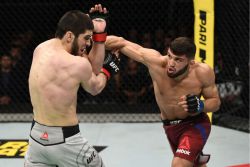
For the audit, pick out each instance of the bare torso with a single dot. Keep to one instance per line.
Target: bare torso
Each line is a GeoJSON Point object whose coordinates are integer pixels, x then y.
{"type": "Point", "coordinates": [168, 91]}
{"type": "Point", "coordinates": [53, 85]}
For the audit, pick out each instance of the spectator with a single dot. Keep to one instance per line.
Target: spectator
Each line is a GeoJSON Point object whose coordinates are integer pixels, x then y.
{"type": "Point", "coordinates": [15, 52]}
{"type": "Point", "coordinates": [19, 77]}
{"type": "Point", "coordinates": [159, 37]}
{"type": "Point", "coordinates": [167, 42]}
{"type": "Point", "coordinates": [133, 83]}
{"type": "Point", "coordinates": [6, 67]}
{"type": "Point", "coordinates": [133, 35]}
{"type": "Point", "coordinates": [147, 40]}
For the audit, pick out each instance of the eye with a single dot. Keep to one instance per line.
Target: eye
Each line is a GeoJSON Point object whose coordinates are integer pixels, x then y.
{"type": "Point", "coordinates": [179, 60]}
{"type": "Point", "coordinates": [87, 37]}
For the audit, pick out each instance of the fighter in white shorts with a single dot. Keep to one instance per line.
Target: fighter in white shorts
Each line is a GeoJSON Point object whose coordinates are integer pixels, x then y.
{"type": "Point", "coordinates": [59, 67]}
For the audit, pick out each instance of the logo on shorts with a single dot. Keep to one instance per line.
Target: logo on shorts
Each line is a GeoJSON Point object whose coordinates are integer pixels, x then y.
{"type": "Point", "coordinates": [175, 122]}
{"type": "Point", "coordinates": [185, 143]}
{"type": "Point", "coordinates": [184, 146]}
{"type": "Point", "coordinates": [182, 151]}
{"type": "Point", "coordinates": [92, 156]}
{"type": "Point", "coordinates": [44, 136]}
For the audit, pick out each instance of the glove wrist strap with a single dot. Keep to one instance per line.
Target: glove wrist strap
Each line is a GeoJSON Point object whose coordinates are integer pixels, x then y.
{"type": "Point", "coordinates": [105, 72]}
{"type": "Point", "coordinates": [201, 106]}
{"type": "Point", "coordinates": [99, 37]}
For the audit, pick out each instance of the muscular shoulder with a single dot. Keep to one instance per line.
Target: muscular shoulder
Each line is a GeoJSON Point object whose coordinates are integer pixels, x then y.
{"type": "Point", "coordinates": [204, 73]}
{"type": "Point", "coordinates": [82, 68]}
{"type": "Point", "coordinates": [153, 58]}
{"type": "Point", "coordinates": [44, 47]}
{"type": "Point", "coordinates": [39, 48]}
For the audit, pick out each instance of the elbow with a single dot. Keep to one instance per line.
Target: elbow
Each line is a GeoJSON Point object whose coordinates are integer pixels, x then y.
{"type": "Point", "coordinates": [218, 104]}
{"type": "Point", "coordinates": [94, 93]}
{"type": "Point", "coordinates": [121, 42]}
{"type": "Point", "coordinates": [96, 90]}
{"type": "Point", "coordinates": [114, 43]}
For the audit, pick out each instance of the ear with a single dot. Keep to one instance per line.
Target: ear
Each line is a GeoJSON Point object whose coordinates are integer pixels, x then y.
{"type": "Point", "coordinates": [69, 36]}
{"type": "Point", "coordinates": [192, 62]}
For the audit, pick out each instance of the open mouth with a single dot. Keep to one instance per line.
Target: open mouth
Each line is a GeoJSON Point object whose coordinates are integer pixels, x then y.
{"type": "Point", "coordinates": [171, 70]}
{"type": "Point", "coordinates": [83, 51]}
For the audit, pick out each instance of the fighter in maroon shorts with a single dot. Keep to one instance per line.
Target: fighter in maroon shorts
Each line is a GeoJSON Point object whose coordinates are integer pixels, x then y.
{"type": "Point", "coordinates": [178, 83]}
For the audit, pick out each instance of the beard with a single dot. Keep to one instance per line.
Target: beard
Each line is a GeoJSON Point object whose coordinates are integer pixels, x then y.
{"type": "Point", "coordinates": [75, 48]}
{"type": "Point", "coordinates": [180, 72]}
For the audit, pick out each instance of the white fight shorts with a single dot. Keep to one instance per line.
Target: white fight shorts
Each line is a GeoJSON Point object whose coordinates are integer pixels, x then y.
{"type": "Point", "coordinates": [53, 146]}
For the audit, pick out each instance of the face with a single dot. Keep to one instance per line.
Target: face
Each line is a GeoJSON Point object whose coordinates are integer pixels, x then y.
{"type": "Point", "coordinates": [81, 42]}
{"type": "Point", "coordinates": [177, 65]}
{"type": "Point", "coordinates": [6, 62]}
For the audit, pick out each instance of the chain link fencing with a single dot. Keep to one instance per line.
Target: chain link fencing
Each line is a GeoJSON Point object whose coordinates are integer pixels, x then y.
{"type": "Point", "coordinates": [152, 24]}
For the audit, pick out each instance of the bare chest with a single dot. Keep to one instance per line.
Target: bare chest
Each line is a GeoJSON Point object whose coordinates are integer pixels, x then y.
{"type": "Point", "coordinates": [168, 92]}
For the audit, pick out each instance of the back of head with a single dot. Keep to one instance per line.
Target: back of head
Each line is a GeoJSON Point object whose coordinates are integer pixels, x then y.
{"type": "Point", "coordinates": [183, 46]}
{"type": "Point", "coordinates": [75, 21]}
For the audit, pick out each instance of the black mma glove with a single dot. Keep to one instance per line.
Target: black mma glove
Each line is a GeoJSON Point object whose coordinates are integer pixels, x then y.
{"type": "Point", "coordinates": [110, 65]}
{"type": "Point", "coordinates": [195, 105]}
{"type": "Point", "coordinates": [100, 36]}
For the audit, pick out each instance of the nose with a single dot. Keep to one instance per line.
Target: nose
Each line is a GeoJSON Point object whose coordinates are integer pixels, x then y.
{"type": "Point", "coordinates": [172, 63]}
{"type": "Point", "coordinates": [88, 42]}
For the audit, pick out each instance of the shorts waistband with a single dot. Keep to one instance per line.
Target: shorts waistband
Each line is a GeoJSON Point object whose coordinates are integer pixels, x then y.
{"type": "Point", "coordinates": [178, 121]}
{"type": "Point", "coordinates": [68, 131]}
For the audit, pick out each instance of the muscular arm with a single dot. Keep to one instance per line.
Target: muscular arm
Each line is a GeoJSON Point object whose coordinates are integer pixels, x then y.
{"type": "Point", "coordinates": [95, 84]}
{"type": "Point", "coordinates": [97, 53]}
{"type": "Point", "coordinates": [209, 90]}
{"type": "Point", "coordinates": [90, 82]}
{"type": "Point", "coordinates": [96, 56]}
{"type": "Point", "coordinates": [134, 51]}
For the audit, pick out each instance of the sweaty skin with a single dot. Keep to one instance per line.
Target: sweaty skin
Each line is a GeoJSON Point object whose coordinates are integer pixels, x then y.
{"type": "Point", "coordinates": [170, 92]}
{"type": "Point", "coordinates": [55, 77]}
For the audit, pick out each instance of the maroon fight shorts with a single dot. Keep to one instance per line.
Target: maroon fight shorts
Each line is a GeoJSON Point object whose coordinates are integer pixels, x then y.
{"type": "Point", "coordinates": [188, 136]}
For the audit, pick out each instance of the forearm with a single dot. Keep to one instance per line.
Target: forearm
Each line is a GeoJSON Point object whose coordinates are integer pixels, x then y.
{"type": "Point", "coordinates": [211, 105]}
{"type": "Point", "coordinates": [126, 47]}
{"type": "Point", "coordinates": [102, 81]}
{"type": "Point", "coordinates": [96, 57]}
{"type": "Point", "coordinates": [114, 42]}
{"type": "Point", "coordinates": [96, 84]}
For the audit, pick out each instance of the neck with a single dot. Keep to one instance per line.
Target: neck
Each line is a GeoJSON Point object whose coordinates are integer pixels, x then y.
{"type": "Point", "coordinates": [182, 76]}
{"type": "Point", "coordinates": [64, 44]}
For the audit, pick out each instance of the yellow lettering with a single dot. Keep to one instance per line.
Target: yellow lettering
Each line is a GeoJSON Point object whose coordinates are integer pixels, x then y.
{"type": "Point", "coordinates": [203, 22]}
{"type": "Point", "coordinates": [202, 38]}
{"type": "Point", "coordinates": [25, 148]}
{"type": "Point", "coordinates": [15, 145]}
{"type": "Point", "coordinates": [202, 28]}
{"type": "Point", "coordinates": [22, 154]}
{"type": "Point", "coordinates": [23, 151]}
{"type": "Point", "coordinates": [8, 152]}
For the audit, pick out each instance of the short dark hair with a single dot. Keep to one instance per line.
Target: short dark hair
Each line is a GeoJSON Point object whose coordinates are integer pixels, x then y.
{"type": "Point", "coordinates": [74, 21]}
{"type": "Point", "coordinates": [183, 45]}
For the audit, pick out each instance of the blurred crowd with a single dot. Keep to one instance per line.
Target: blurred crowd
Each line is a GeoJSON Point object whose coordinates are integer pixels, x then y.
{"type": "Point", "coordinates": [15, 62]}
